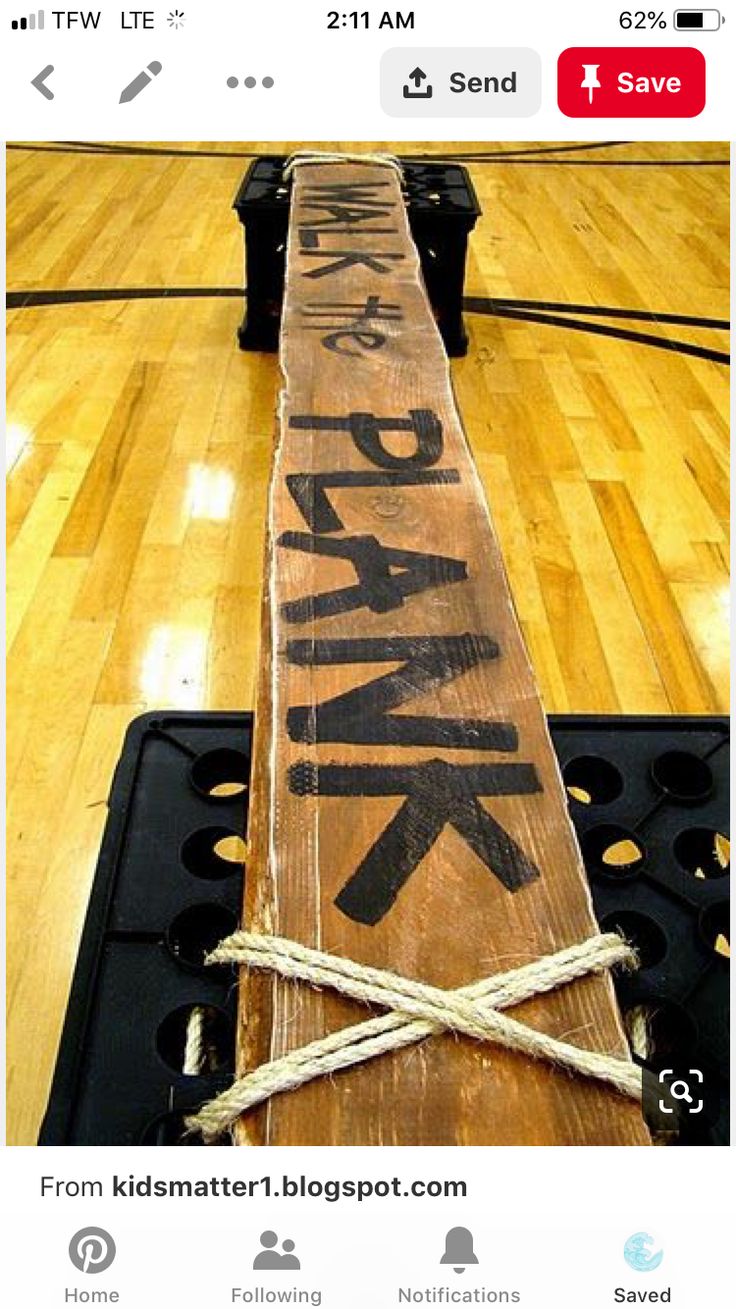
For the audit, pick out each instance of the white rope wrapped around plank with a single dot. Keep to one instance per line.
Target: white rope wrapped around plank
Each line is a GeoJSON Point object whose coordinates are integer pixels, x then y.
{"type": "Point", "coordinates": [416, 1011]}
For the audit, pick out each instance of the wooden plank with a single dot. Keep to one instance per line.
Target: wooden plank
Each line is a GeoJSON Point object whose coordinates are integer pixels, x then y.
{"type": "Point", "coordinates": [407, 808]}
{"type": "Point", "coordinates": [58, 353]}
{"type": "Point", "coordinates": [433, 840]}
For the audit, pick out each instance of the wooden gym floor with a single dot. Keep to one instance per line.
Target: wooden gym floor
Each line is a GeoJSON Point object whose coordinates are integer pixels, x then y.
{"type": "Point", "coordinates": [139, 446]}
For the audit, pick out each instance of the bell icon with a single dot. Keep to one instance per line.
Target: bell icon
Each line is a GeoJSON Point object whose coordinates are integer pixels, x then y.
{"type": "Point", "coordinates": [459, 1249]}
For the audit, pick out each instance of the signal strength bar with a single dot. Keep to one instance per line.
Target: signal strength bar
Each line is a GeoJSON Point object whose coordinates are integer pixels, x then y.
{"type": "Point", "coordinates": [34, 22]}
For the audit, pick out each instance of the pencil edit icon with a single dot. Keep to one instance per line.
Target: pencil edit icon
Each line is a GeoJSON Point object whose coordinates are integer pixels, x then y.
{"type": "Point", "coordinates": [140, 82]}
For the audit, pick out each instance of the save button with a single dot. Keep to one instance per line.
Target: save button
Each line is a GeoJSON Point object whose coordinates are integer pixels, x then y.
{"type": "Point", "coordinates": [631, 82]}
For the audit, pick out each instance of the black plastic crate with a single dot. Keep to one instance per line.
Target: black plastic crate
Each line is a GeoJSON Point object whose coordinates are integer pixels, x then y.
{"type": "Point", "coordinates": [150, 919]}
{"type": "Point", "coordinates": [442, 208]}
{"type": "Point", "coordinates": [658, 783]}
{"type": "Point", "coordinates": [658, 792]}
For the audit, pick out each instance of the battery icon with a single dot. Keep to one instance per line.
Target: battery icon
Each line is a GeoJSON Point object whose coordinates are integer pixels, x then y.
{"type": "Point", "coordinates": [697, 20]}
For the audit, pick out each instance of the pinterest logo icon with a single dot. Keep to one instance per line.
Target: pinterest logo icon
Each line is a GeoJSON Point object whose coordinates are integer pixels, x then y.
{"type": "Point", "coordinates": [92, 1250]}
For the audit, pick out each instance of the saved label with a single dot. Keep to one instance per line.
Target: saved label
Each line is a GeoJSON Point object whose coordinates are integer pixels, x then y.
{"type": "Point", "coordinates": [631, 82]}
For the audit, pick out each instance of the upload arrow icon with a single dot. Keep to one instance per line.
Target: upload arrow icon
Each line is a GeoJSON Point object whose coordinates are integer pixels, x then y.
{"type": "Point", "coordinates": [417, 77]}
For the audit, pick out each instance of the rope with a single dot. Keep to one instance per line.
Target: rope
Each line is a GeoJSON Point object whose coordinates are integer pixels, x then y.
{"type": "Point", "coordinates": [417, 1011]}
{"type": "Point", "coordinates": [334, 157]}
{"type": "Point", "coordinates": [637, 1027]}
{"type": "Point", "coordinates": [194, 1051]}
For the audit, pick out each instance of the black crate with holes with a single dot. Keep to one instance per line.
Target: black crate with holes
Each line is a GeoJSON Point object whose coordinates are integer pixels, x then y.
{"type": "Point", "coordinates": [168, 887]}
{"type": "Point", "coordinates": [649, 799]}
{"type": "Point", "coordinates": [442, 209]}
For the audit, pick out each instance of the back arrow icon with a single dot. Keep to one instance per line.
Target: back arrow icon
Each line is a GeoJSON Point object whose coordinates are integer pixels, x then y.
{"type": "Point", "coordinates": [40, 78]}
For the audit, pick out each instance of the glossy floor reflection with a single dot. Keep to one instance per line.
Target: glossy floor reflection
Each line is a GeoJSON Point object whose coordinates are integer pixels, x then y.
{"type": "Point", "coordinates": [139, 451]}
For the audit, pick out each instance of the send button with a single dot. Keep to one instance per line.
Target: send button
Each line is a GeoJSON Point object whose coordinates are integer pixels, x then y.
{"type": "Point", "coordinates": [501, 82]}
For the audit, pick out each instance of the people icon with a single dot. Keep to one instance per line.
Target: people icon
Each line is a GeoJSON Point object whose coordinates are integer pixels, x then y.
{"type": "Point", "coordinates": [269, 1256]}
{"type": "Point", "coordinates": [289, 1260]}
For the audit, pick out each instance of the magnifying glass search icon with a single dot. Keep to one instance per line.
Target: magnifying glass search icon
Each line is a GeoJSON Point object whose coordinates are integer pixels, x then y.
{"type": "Point", "coordinates": [679, 1090]}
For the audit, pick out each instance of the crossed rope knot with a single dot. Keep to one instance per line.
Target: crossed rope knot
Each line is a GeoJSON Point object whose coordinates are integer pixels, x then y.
{"type": "Point", "coordinates": [416, 1011]}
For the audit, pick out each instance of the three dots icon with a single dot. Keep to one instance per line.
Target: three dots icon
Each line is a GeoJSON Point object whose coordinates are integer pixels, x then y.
{"type": "Point", "coordinates": [250, 82]}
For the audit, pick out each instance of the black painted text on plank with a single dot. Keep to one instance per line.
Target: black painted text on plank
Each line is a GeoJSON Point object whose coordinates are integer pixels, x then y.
{"type": "Point", "coordinates": [436, 792]}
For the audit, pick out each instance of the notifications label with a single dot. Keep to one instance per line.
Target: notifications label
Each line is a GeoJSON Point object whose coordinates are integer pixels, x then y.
{"type": "Point", "coordinates": [631, 82]}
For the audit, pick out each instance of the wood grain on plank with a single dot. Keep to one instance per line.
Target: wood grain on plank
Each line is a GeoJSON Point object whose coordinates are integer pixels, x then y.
{"type": "Point", "coordinates": [658, 427]}
{"type": "Point", "coordinates": [407, 809]}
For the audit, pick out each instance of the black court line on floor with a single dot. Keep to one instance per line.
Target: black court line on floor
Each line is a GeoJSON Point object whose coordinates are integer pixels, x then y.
{"type": "Point", "coordinates": [571, 148]}
{"type": "Point", "coordinates": [598, 329]}
{"type": "Point", "coordinates": [503, 157]}
{"type": "Point", "coordinates": [473, 303]}
{"type": "Point", "coordinates": [113, 147]}
{"type": "Point", "coordinates": [576, 163]}
{"type": "Point", "coordinates": [519, 310]}
{"type": "Point", "coordinates": [116, 148]}
{"type": "Point", "coordinates": [88, 295]}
